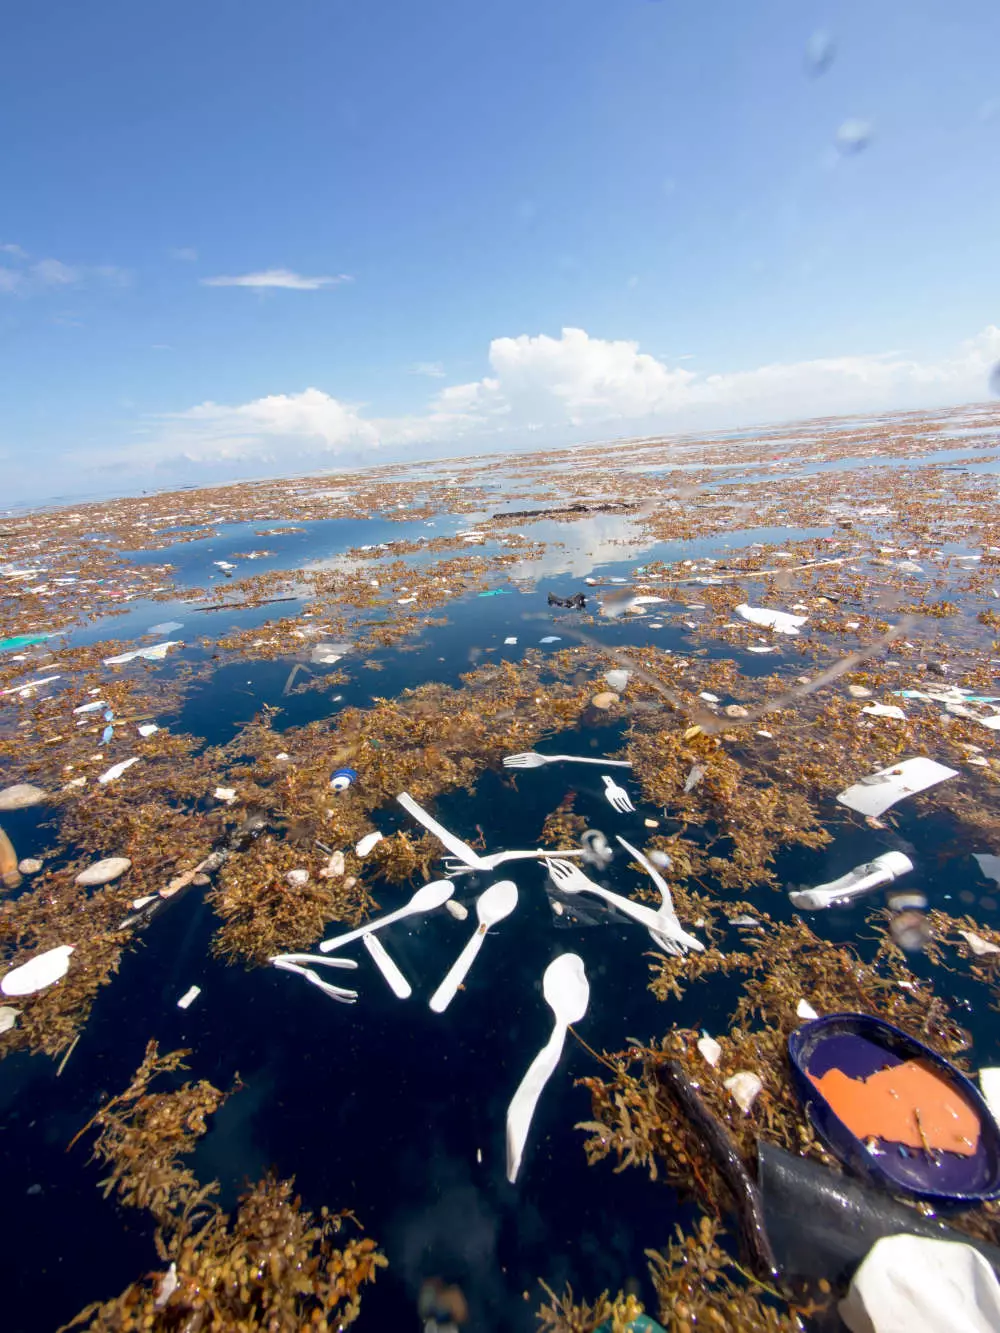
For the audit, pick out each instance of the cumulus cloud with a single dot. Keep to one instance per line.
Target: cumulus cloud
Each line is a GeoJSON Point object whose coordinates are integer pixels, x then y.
{"type": "Point", "coordinates": [543, 390]}
{"type": "Point", "coordinates": [278, 277]}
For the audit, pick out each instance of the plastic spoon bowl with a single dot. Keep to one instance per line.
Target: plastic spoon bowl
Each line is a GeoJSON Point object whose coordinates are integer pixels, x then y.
{"type": "Point", "coordinates": [498, 901]}
{"type": "Point", "coordinates": [567, 993]}
{"type": "Point", "coordinates": [424, 900]}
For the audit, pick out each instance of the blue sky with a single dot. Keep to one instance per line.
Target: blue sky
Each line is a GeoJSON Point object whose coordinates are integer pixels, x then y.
{"type": "Point", "coordinates": [664, 180]}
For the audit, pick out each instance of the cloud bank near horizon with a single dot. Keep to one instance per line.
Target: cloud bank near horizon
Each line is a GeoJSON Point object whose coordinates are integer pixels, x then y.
{"type": "Point", "coordinates": [545, 391]}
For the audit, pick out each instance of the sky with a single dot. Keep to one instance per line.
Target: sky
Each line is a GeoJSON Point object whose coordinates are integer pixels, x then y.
{"type": "Point", "coordinates": [247, 238]}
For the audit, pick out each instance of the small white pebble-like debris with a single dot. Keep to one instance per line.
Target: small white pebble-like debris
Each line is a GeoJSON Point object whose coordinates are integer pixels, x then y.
{"type": "Point", "coordinates": [103, 872]}
{"type": "Point", "coordinates": [736, 710]}
{"type": "Point", "coordinates": [805, 1010]}
{"type": "Point", "coordinates": [512, 639]}
{"type": "Point", "coordinates": [168, 1285]}
{"type": "Point", "coordinates": [858, 691]}
{"type": "Point", "coordinates": [226, 794]}
{"type": "Point", "coordinates": [297, 878]}
{"type": "Point", "coordinates": [458, 910]}
{"type": "Point", "coordinates": [604, 700]}
{"type": "Point", "coordinates": [8, 1017]}
{"type": "Point", "coordinates": [745, 1088]}
{"type": "Point", "coordinates": [885, 710]}
{"type": "Point", "coordinates": [334, 868]}
{"type": "Point", "coordinates": [189, 997]}
{"type": "Point", "coordinates": [29, 866]}
{"type": "Point", "coordinates": [147, 729]}
{"type": "Point", "coordinates": [618, 679]}
{"type": "Point", "coordinates": [38, 972]}
{"type": "Point", "coordinates": [977, 944]}
{"type": "Point", "coordinates": [709, 698]}
{"type": "Point", "coordinates": [369, 841]}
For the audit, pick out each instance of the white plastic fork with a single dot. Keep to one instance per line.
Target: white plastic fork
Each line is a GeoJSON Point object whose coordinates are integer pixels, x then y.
{"type": "Point", "coordinates": [293, 962]}
{"type": "Point", "coordinates": [667, 910]}
{"type": "Point", "coordinates": [532, 759]}
{"type": "Point", "coordinates": [617, 797]}
{"type": "Point", "coordinates": [571, 879]}
{"type": "Point", "coordinates": [463, 857]}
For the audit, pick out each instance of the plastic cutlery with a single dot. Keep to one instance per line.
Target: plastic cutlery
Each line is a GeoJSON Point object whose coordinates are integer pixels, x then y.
{"type": "Point", "coordinates": [498, 901]}
{"type": "Point", "coordinates": [667, 944]}
{"type": "Point", "coordinates": [455, 845]}
{"type": "Point", "coordinates": [293, 962]}
{"type": "Point", "coordinates": [617, 797]}
{"type": "Point", "coordinates": [571, 879]}
{"type": "Point", "coordinates": [424, 900]}
{"type": "Point", "coordinates": [532, 759]}
{"type": "Point", "coordinates": [855, 884]}
{"type": "Point", "coordinates": [453, 866]}
{"type": "Point", "coordinates": [398, 984]}
{"type": "Point", "coordinates": [567, 994]}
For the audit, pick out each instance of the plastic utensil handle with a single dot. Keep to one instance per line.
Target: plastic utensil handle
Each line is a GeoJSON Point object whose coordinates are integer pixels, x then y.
{"type": "Point", "coordinates": [580, 759]}
{"type": "Point", "coordinates": [398, 984]}
{"type": "Point", "coordinates": [445, 993]}
{"type": "Point", "coordinates": [455, 845]}
{"type": "Point", "coordinates": [524, 1101]}
{"type": "Point", "coordinates": [646, 917]}
{"type": "Point", "coordinates": [327, 945]}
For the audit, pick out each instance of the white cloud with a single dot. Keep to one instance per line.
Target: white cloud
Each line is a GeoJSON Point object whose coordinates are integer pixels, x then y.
{"type": "Point", "coordinates": [278, 277]}
{"type": "Point", "coordinates": [185, 253]}
{"type": "Point", "coordinates": [11, 249]}
{"type": "Point", "coordinates": [543, 390]}
{"type": "Point", "coordinates": [10, 280]}
{"type": "Point", "coordinates": [432, 369]}
{"type": "Point", "coordinates": [54, 273]}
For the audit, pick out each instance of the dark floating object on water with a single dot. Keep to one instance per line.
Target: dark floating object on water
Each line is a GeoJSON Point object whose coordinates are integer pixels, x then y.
{"type": "Point", "coordinates": [720, 1146]}
{"type": "Point", "coordinates": [576, 603]}
{"type": "Point", "coordinates": [860, 1046]}
{"type": "Point", "coordinates": [822, 1223]}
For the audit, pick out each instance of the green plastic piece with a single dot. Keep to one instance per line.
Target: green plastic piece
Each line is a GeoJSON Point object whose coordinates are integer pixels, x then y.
{"type": "Point", "coordinates": [22, 641]}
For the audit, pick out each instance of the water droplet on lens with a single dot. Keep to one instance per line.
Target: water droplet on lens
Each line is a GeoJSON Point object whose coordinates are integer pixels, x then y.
{"type": "Point", "coordinates": [854, 135]}
{"type": "Point", "coordinates": [994, 380]}
{"type": "Point", "coordinates": [820, 51]}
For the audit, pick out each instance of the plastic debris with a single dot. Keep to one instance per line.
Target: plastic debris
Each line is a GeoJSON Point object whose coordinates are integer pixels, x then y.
{"type": "Point", "coordinates": [977, 944]}
{"type": "Point", "coordinates": [511, 639]}
{"type": "Point", "coordinates": [398, 984]}
{"type": "Point", "coordinates": [551, 638]}
{"type": "Point", "coordinates": [343, 778]}
{"type": "Point", "coordinates": [167, 627]}
{"type": "Point", "coordinates": [297, 962]}
{"type": "Point", "coordinates": [498, 901]}
{"type": "Point", "coordinates": [567, 994]}
{"type": "Point", "coordinates": [29, 866]}
{"type": "Point", "coordinates": [875, 794]}
{"type": "Point", "coordinates": [753, 648]}
{"type": "Point", "coordinates": [736, 710]}
{"type": "Point", "coordinates": [10, 873]}
{"type": "Point", "coordinates": [885, 710]}
{"type": "Point", "coordinates": [225, 794]}
{"type": "Point", "coordinates": [334, 868]}
{"type": "Point", "coordinates": [168, 1285]}
{"type": "Point", "coordinates": [8, 1017]}
{"type": "Point", "coordinates": [91, 707]}
{"type": "Point", "coordinates": [858, 691]}
{"type": "Point", "coordinates": [607, 699]}
{"type": "Point", "coordinates": [147, 729]}
{"type": "Point", "coordinates": [458, 910]}
{"type": "Point", "coordinates": [616, 796]}
{"type": "Point", "coordinates": [189, 997]}
{"type": "Point", "coordinates": [694, 777]}
{"type": "Point", "coordinates": [103, 872]}
{"type": "Point", "coordinates": [154, 654]}
{"type": "Point", "coordinates": [989, 1083]}
{"type": "Point", "coordinates": [710, 1049]}
{"type": "Point", "coordinates": [298, 879]}
{"type": "Point", "coordinates": [577, 602]}
{"type": "Point", "coordinates": [988, 864]}
{"type": "Point", "coordinates": [21, 796]}
{"type": "Point", "coordinates": [856, 883]}
{"type": "Point", "coordinates": [780, 621]}
{"type": "Point", "coordinates": [426, 899]}
{"type": "Point", "coordinates": [368, 842]}
{"type": "Point", "coordinates": [805, 1010]}
{"type": "Point", "coordinates": [116, 770]}
{"type": "Point", "coordinates": [745, 1088]}
{"type": "Point", "coordinates": [37, 973]}
{"type": "Point", "coordinates": [22, 641]}
{"type": "Point", "coordinates": [618, 679]}
{"type": "Point", "coordinates": [912, 1284]}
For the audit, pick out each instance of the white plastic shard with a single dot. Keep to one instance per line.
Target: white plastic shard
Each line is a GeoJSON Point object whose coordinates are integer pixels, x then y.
{"type": "Point", "coordinates": [913, 1284]}
{"type": "Point", "coordinates": [989, 1085]}
{"type": "Point", "coordinates": [780, 621]}
{"type": "Point", "coordinates": [567, 993]}
{"type": "Point", "coordinates": [154, 654]}
{"type": "Point", "coordinates": [618, 679]}
{"type": "Point", "coordinates": [885, 710]}
{"type": "Point", "coordinates": [883, 869]}
{"type": "Point", "coordinates": [116, 770]}
{"type": "Point", "coordinates": [710, 1050]}
{"type": "Point", "coordinates": [977, 944]}
{"type": "Point", "coordinates": [875, 794]}
{"type": "Point", "coordinates": [805, 1010]}
{"type": "Point", "coordinates": [745, 1088]}
{"type": "Point", "coordinates": [38, 972]}
{"type": "Point", "coordinates": [369, 841]}
{"type": "Point", "coordinates": [398, 984]}
{"type": "Point", "coordinates": [189, 997]}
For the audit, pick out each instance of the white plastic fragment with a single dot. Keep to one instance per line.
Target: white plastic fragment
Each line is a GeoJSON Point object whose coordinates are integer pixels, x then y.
{"type": "Point", "coordinates": [334, 868]}
{"type": "Point", "coordinates": [805, 1010]}
{"type": "Point", "coordinates": [154, 654]}
{"type": "Point", "coordinates": [116, 770]}
{"type": "Point", "coordinates": [988, 864]}
{"type": "Point", "coordinates": [189, 997]}
{"type": "Point", "coordinates": [103, 872]}
{"type": "Point", "coordinates": [618, 679]}
{"type": "Point", "coordinates": [989, 1085]}
{"type": "Point", "coordinates": [8, 1017]}
{"type": "Point", "coordinates": [709, 698]}
{"type": "Point", "coordinates": [913, 1284]}
{"type": "Point", "coordinates": [551, 638]}
{"type": "Point", "coordinates": [710, 1050]}
{"type": "Point", "coordinates": [875, 794]}
{"type": "Point", "coordinates": [168, 1285]}
{"type": "Point", "coordinates": [885, 710]}
{"type": "Point", "coordinates": [298, 879]}
{"type": "Point", "coordinates": [458, 910]}
{"type": "Point", "coordinates": [745, 1088]}
{"type": "Point", "coordinates": [511, 639]}
{"type": "Point", "coordinates": [29, 866]}
{"type": "Point", "coordinates": [91, 707]}
{"type": "Point", "coordinates": [754, 649]}
{"type": "Point", "coordinates": [883, 869]}
{"type": "Point", "coordinates": [226, 794]}
{"type": "Point", "coordinates": [977, 944]}
{"type": "Point", "coordinates": [369, 841]}
{"type": "Point", "coordinates": [780, 621]}
{"type": "Point", "coordinates": [38, 972]}
{"type": "Point", "coordinates": [21, 796]}
{"type": "Point", "coordinates": [147, 729]}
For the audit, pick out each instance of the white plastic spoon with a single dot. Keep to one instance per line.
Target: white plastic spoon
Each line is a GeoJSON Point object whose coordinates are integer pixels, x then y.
{"type": "Point", "coordinates": [398, 984]}
{"type": "Point", "coordinates": [567, 992]}
{"type": "Point", "coordinates": [498, 901]}
{"type": "Point", "coordinates": [424, 900]}
{"type": "Point", "coordinates": [38, 972]}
